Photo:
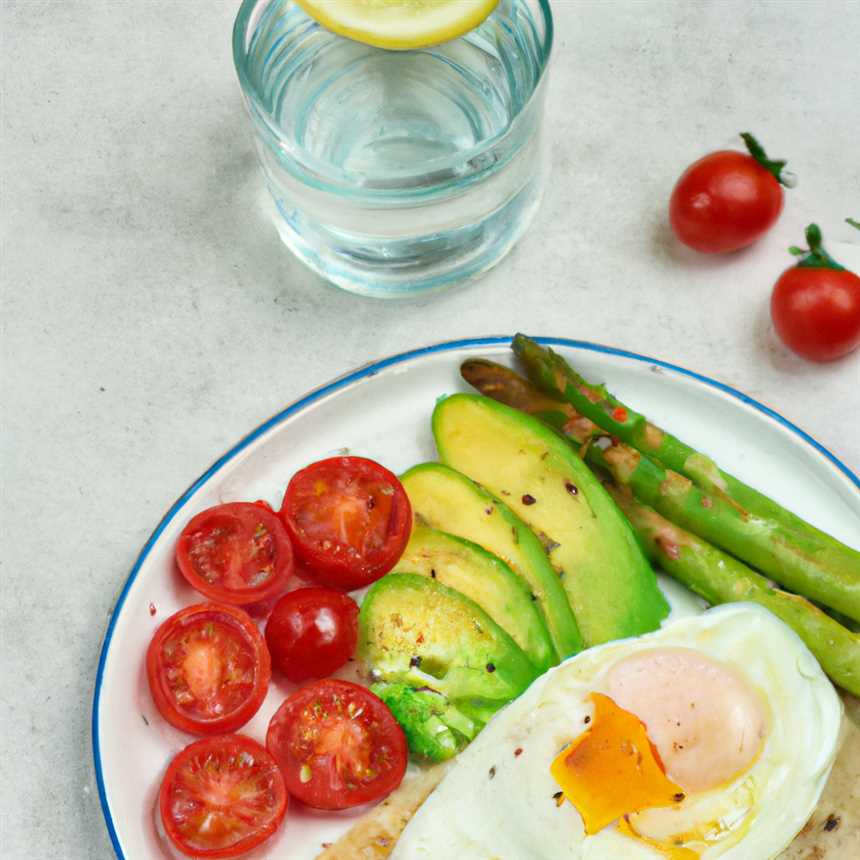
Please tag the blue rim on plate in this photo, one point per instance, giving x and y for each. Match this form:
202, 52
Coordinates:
354, 376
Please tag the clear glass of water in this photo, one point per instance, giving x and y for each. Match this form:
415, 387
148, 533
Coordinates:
397, 172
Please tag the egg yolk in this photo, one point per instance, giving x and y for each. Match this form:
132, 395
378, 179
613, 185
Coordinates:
612, 769
706, 721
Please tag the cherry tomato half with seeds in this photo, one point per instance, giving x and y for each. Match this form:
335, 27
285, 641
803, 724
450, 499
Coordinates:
815, 305
208, 669
348, 519
221, 797
337, 745
236, 553
312, 632
727, 200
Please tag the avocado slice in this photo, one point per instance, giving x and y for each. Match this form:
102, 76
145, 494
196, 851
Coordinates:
414, 630
612, 588
446, 499
471, 570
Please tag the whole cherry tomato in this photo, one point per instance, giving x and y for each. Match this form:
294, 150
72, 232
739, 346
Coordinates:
727, 200
312, 632
815, 305
348, 519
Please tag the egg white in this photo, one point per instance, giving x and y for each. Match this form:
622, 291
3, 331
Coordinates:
497, 805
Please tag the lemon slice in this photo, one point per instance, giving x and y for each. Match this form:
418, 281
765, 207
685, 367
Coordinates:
399, 25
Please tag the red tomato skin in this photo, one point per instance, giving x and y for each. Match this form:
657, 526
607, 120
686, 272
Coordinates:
239, 514
289, 729
816, 312
312, 632
343, 571
724, 202
240, 622
263, 833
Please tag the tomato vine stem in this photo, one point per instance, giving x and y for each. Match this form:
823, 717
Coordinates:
815, 257
774, 166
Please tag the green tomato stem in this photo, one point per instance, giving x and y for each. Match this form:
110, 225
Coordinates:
774, 166
816, 257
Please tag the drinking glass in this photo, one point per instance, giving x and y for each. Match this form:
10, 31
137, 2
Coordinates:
396, 172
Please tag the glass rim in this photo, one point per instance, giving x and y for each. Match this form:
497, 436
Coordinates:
327, 177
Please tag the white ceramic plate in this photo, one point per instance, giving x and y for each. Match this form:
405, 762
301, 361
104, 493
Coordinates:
382, 411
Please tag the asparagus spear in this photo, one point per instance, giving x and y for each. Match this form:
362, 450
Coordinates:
765, 544
721, 578
715, 575
554, 375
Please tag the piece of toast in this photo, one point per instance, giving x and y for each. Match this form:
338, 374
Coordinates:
374, 836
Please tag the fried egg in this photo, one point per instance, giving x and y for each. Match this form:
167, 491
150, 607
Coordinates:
712, 737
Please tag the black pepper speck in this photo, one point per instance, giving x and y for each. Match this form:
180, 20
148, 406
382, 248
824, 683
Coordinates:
832, 823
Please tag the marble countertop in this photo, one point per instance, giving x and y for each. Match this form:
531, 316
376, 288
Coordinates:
151, 317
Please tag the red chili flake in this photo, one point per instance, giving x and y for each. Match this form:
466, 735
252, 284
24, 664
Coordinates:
152, 609
518, 752
619, 414
528, 499
615, 441
420, 638
707, 502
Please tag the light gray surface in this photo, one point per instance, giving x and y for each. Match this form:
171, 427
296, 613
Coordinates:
151, 317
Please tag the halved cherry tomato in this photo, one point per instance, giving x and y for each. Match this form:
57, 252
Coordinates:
349, 520
815, 305
312, 632
236, 553
727, 200
221, 797
337, 745
208, 669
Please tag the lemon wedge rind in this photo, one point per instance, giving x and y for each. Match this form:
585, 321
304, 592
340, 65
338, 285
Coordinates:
399, 25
